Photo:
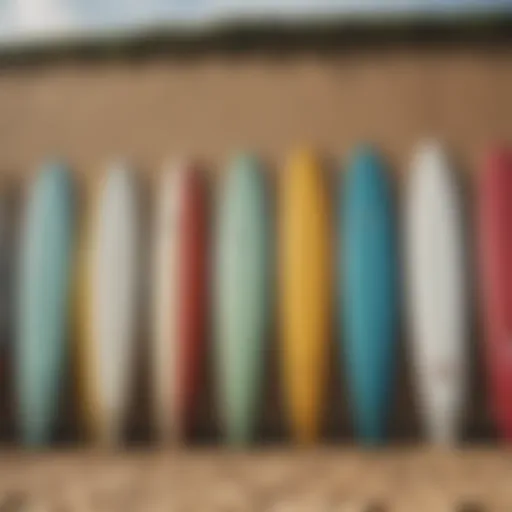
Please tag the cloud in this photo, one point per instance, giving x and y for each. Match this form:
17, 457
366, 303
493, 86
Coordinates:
33, 18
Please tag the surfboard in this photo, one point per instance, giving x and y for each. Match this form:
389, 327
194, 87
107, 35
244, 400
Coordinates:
495, 240
9, 261
82, 361
368, 291
241, 297
305, 280
113, 273
43, 292
180, 284
436, 292
9, 248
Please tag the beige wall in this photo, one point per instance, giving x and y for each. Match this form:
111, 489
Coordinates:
156, 107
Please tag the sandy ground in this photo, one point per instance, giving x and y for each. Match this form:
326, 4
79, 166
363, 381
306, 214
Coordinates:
404, 479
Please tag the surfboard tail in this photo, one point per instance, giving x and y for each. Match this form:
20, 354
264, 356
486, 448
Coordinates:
304, 425
304, 391
109, 435
441, 408
500, 387
441, 428
371, 421
36, 432
239, 425
238, 390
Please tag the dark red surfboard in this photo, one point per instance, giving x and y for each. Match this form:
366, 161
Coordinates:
192, 292
495, 240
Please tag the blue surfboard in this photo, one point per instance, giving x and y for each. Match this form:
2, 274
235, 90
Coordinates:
367, 283
44, 285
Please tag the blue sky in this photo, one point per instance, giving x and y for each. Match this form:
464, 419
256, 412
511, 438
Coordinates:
22, 19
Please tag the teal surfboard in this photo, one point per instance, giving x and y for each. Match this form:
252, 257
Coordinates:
44, 282
368, 287
241, 297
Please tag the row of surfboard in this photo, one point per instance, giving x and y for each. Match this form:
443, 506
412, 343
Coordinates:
345, 261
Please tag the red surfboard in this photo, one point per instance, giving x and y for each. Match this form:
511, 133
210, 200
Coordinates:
180, 283
495, 219
192, 294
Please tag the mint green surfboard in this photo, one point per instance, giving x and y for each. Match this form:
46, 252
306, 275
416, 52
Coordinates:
241, 297
44, 282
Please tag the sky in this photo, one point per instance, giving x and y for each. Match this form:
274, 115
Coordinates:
26, 19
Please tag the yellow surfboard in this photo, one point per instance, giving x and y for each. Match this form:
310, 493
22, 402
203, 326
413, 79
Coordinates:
82, 356
80, 319
305, 280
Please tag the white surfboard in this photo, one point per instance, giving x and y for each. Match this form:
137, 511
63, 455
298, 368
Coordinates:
113, 287
436, 292
165, 311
